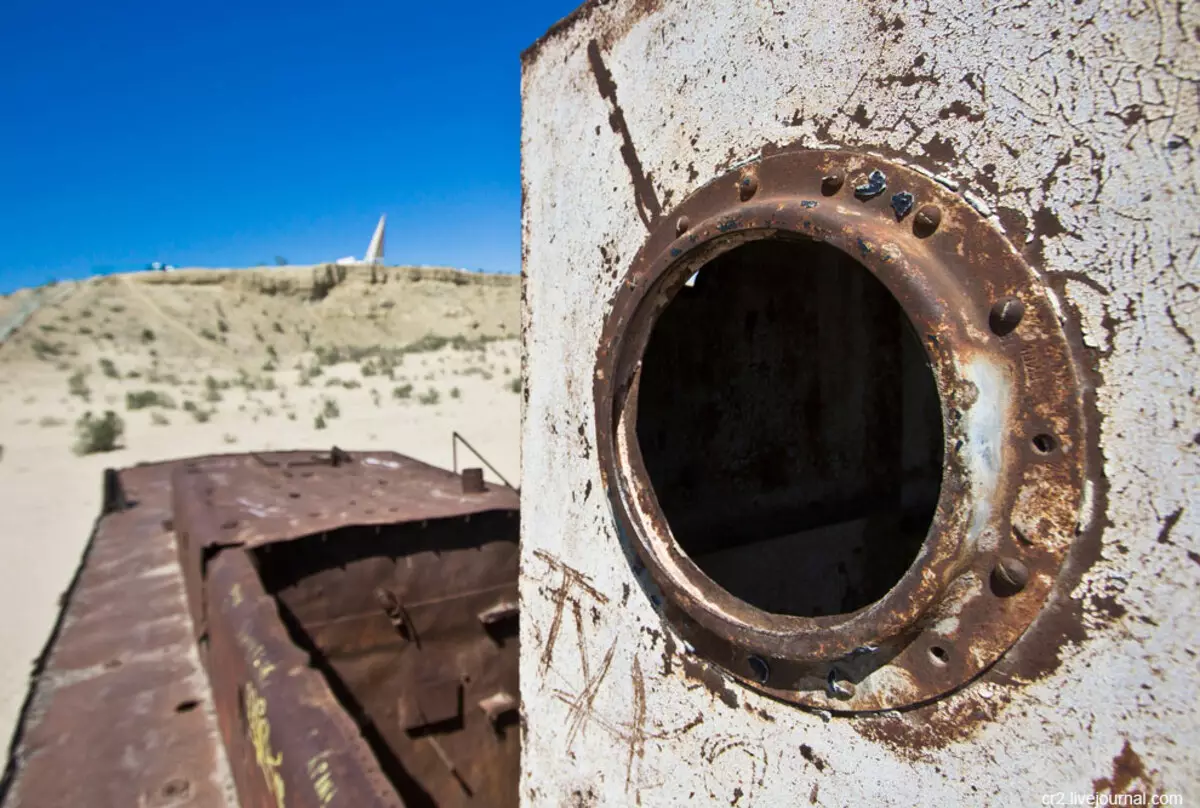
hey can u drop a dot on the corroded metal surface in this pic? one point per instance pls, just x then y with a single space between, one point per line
319 695
340 596
255 499
1001 496
120 712
1068 127
288 739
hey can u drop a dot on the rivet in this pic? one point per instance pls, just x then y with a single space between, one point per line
747 186
836 688
926 221
1005 316
760 669
681 225
832 183
1009 577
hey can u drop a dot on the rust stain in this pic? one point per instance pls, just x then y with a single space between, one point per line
644 196
812 757
1127 770
711 678
620 20
934 726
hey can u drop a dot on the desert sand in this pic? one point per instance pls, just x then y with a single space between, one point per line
208 361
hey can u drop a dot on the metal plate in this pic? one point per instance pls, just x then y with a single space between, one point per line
1015 461
120 712
286 556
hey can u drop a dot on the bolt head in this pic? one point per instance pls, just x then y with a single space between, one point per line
926 221
759 669
1009 576
832 183
1006 315
747 186
682 225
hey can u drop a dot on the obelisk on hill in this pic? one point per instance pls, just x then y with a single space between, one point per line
375 248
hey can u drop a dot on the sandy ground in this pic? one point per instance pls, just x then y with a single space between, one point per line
257 393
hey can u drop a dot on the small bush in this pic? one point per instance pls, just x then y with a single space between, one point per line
228 438
212 389
158 419
319 422
515 384
50 420
455 392
200 414
147 336
98 434
430 396
45 350
429 342
375 398
403 391
108 368
434 342
77 385
208 334
330 409
154 377
140 400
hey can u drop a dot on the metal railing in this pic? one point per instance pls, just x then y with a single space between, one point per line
455 439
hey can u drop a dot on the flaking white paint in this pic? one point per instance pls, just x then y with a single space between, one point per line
1078 125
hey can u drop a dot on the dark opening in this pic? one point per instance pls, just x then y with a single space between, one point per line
791 428
392 617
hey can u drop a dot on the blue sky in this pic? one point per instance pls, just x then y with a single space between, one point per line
208 135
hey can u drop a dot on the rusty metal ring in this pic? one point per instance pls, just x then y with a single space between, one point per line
1013 478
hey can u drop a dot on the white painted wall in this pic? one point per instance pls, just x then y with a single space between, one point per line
1079 118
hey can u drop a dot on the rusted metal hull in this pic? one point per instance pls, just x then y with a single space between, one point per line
356 617
120 713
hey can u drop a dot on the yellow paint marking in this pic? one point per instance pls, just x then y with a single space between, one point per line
260 737
322 778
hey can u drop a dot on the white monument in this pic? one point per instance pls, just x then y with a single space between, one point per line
375 248
374 254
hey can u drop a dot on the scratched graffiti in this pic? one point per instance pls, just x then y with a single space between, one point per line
581 698
571 582
744 765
